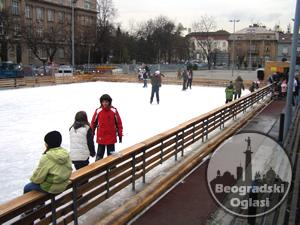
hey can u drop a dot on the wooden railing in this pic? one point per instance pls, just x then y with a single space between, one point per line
98 181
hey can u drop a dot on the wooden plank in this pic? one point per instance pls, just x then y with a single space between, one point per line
21 204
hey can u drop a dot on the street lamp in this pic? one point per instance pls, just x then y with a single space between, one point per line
73 27
251 31
233 43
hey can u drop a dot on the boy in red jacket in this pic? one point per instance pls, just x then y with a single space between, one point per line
108 123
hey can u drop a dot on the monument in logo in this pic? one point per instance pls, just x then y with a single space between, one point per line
249 174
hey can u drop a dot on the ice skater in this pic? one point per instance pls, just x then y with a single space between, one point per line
81 141
156 84
108 123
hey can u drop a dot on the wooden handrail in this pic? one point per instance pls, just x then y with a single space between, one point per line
111 174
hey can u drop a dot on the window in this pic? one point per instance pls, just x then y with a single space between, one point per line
285 50
87 4
61 16
68 18
17 29
15 6
61 53
1 29
28 11
50 15
39 31
39 14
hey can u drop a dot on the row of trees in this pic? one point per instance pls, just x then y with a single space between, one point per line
156 40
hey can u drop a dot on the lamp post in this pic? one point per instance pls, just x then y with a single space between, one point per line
233 44
295 38
73 28
250 50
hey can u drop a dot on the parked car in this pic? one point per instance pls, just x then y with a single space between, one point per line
10 70
64 70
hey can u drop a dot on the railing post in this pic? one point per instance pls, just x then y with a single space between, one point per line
133 171
244 105
233 110
193 133
221 119
182 143
161 152
107 182
206 129
203 130
144 166
74 197
176 146
53 210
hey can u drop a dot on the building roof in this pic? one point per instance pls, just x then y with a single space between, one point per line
220 34
255 29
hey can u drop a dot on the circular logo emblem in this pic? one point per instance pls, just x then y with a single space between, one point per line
249 175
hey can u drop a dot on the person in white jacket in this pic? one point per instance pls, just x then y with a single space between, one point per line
81 141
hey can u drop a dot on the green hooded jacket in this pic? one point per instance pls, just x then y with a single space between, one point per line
229 91
53 171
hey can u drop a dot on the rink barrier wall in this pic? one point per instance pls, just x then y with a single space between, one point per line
100 180
36 81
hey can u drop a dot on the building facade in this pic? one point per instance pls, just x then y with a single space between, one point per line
214 42
253 46
42 29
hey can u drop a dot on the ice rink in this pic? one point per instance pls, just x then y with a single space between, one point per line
27 114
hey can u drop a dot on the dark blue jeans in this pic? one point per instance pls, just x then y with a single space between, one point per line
155 90
33 187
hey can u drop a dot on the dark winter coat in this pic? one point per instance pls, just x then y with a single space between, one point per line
156 80
108 124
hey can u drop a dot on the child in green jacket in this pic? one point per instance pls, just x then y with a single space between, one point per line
54 169
229 92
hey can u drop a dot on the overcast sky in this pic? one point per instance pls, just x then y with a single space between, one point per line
267 12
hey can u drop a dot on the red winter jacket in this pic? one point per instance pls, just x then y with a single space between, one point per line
108 123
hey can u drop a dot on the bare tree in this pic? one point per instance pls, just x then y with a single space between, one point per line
205 41
105 28
44 41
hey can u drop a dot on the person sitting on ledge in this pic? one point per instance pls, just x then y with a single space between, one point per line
54 169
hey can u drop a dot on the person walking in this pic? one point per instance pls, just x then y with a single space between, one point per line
190 79
81 141
185 79
156 84
145 77
108 123
238 87
295 91
54 169
229 91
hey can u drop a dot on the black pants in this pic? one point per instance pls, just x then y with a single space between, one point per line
80 164
189 83
101 150
237 95
155 90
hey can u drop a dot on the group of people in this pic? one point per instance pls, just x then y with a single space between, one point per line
55 166
280 87
144 75
234 89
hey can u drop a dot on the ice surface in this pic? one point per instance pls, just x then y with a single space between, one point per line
26 115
